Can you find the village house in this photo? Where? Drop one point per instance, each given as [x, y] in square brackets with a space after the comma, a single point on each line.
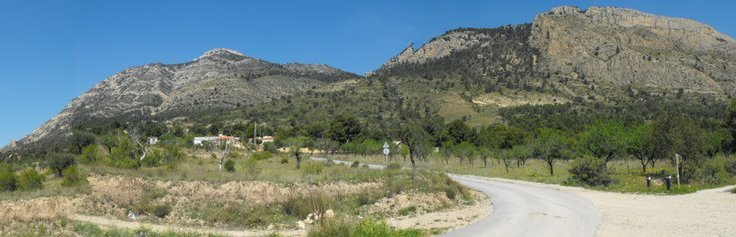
[199, 141]
[263, 139]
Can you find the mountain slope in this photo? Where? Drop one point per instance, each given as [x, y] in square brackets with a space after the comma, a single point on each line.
[599, 55]
[623, 46]
[574, 51]
[220, 79]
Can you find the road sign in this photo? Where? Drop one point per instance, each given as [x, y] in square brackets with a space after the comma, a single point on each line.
[385, 148]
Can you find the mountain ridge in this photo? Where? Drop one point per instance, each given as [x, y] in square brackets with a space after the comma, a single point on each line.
[564, 54]
[219, 78]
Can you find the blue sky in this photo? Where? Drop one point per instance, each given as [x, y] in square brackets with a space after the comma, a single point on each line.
[52, 51]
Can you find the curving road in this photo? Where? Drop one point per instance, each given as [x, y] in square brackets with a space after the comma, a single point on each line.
[527, 210]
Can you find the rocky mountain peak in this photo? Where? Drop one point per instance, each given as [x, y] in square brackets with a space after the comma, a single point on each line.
[629, 47]
[222, 53]
[632, 18]
[439, 47]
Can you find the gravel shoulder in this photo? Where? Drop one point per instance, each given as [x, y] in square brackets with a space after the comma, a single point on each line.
[454, 218]
[703, 213]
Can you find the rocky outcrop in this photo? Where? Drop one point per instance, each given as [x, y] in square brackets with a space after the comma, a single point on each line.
[218, 79]
[628, 47]
[437, 48]
[571, 48]
[321, 71]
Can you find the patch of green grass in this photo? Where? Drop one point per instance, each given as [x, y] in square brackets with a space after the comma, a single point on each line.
[627, 174]
[407, 211]
[89, 229]
[51, 187]
[365, 228]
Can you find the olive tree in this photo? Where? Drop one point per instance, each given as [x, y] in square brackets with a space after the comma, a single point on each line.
[418, 142]
[551, 145]
[604, 140]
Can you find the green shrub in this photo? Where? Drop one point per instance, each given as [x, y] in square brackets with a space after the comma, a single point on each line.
[147, 203]
[120, 157]
[60, 161]
[261, 155]
[90, 154]
[711, 171]
[589, 171]
[450, 193]
[73, 176]
[407, 210]
[365, 228]
[29, 179]
[393, 166]
[299, 206]
[366, 198]
[8, 178]
[333, 227]
[270, 147]
[284, 160]
[313, 168]
[162, 211]
[153, 159]
[230, 165]
[355, 164]
[252, 168]
[167, 155]
[730, 166]
[234, 155]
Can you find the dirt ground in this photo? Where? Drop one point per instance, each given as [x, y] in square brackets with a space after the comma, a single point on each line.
[705, 213]
[106, 205]
[453, 218]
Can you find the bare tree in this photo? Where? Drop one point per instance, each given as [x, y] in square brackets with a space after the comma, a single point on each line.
[221, 147]
[327, 146]
[137, 138]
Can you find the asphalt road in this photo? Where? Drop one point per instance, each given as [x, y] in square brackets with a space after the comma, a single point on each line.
[524, 210]
[527, 210]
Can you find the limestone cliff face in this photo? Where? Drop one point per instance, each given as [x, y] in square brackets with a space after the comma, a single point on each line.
[437, 48]
[219, 79]
[623, 46]
[604, 46]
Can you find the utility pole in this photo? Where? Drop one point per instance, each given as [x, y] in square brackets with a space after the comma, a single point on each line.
[255, 126]
[677, 164]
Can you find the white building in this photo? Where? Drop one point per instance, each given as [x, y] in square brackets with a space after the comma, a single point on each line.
[230, 140]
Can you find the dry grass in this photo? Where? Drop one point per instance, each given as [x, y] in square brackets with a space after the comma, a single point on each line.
[46, 216]
[409, 203]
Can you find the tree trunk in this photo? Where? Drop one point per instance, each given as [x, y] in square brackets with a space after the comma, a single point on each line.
[643, 162]
[298, 162]
[653, 161]
[550, 164]
[413, 167]
[485, 163]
